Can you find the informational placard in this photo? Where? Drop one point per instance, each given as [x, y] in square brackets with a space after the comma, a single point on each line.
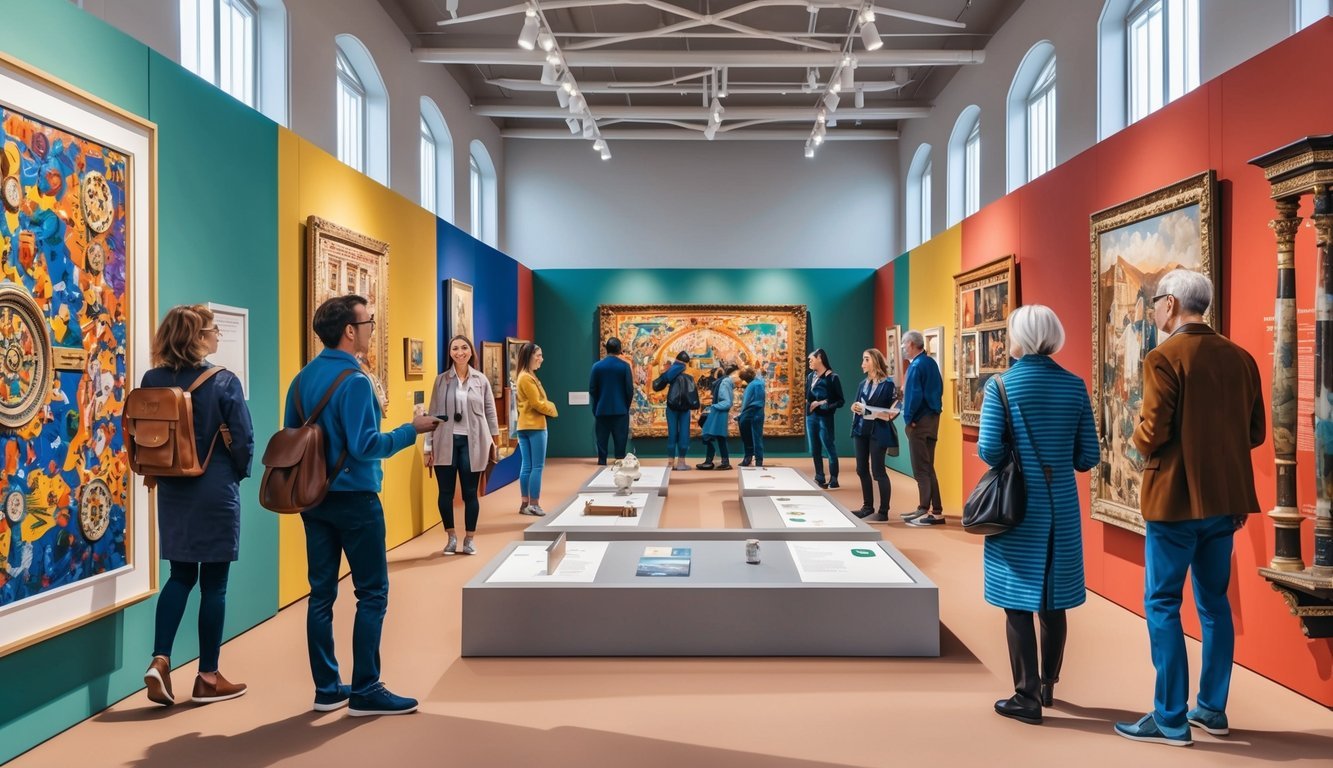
[572, 515]
[233, 343]
[845, 562]
[810, 512]
[578, 398]
[776, 479]
[527, 563]
[649, 477]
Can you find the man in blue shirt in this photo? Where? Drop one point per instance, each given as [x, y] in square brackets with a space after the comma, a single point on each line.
[923, 390]
[350, 520]
[611, 389]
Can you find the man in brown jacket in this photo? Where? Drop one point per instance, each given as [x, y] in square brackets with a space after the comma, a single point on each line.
[1202, 414]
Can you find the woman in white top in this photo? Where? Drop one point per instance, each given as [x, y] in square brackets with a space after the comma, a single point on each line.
[465, 440]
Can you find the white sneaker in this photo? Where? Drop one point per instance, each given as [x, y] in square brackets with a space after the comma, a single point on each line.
[468, 547]
[452, 546]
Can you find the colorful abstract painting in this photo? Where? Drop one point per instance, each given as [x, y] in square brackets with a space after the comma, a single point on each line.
[1133, 246]
[769, 338]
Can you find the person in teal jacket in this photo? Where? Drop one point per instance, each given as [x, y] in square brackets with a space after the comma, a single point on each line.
[717, 418]
[751, 417]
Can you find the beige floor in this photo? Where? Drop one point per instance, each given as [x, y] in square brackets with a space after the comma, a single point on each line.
[696, 712]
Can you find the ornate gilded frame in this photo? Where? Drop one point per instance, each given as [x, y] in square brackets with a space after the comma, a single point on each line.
[329, 245]
[1199, 190]
[1001, 272]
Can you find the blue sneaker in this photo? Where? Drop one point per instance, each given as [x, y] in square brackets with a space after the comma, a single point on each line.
[1147, 729]
[379, 701]
[328, 702]
[1212, 722]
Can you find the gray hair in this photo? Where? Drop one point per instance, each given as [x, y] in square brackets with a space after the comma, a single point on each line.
[1035, 330]
[915, 339]
[1193, 290]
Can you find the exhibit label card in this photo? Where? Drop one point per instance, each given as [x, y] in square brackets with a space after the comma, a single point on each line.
[810, 512]
[572, 515]
[527, 563]
[773, 479]
[845, 562]
[664, 561]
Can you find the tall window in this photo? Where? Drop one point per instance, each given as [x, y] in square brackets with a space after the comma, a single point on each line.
[1041, 123]
[485, 195]
[963, 181]
[220, 43]
[1162, 38]
[925, 201]
[916, 222]
[430, 177]
[972, 171]
[474, 185]
[351, 115]
[1308, 12]
[437, 162]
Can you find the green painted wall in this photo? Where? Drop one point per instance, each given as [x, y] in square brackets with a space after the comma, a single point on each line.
[902, 310]
[217, 241]
[565, 305]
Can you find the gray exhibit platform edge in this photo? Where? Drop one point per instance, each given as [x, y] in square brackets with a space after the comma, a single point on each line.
[724, 607]
[658, 483]
[774, 481]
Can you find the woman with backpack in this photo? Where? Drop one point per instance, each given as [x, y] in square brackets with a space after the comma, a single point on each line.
[199, 518]
[716, 419]
[533, 410]
[682, 399]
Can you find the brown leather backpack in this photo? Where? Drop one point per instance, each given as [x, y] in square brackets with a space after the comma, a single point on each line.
[296, 476]
[159, 422]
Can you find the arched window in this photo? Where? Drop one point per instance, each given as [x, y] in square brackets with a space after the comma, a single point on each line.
[965, 165]
[363, 111]
[918, 227]
[1147, 56]
[241, 47]
[485, 195]
[1030, 119]
[437, 162]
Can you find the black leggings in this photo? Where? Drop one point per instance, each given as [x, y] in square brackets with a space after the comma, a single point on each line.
[870, 462]
[448, 477]
[212, 580]
[1023, 650]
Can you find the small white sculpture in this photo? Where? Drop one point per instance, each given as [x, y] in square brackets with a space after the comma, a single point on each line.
[624, 472]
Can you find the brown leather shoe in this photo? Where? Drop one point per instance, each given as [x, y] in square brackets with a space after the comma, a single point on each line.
[158, 681]
[205, 693]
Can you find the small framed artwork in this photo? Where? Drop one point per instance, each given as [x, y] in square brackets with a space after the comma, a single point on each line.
[459, 321]
[971, 362]
[492, 364]
[512, 346]
[983, 299]
[893, 352]
[414, 357]
[933, 337]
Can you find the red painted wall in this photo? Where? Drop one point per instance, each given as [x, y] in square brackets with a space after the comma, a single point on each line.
[1260, 105]
[883, 302]
[525, 322]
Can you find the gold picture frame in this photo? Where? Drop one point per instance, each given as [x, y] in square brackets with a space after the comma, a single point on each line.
[983, 299]
[340, 261]
[1133, 245]
[414, 357]
[460, 320]
[492, 364]
[893, 353]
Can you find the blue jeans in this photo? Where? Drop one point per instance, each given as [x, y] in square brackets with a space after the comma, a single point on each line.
[752, 437]
[532, 459]
[212, 579]
[819, 434]
[351, 523]
[678, 433]
[1204, 548]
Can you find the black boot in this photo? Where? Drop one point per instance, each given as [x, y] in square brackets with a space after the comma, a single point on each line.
[1014, 708]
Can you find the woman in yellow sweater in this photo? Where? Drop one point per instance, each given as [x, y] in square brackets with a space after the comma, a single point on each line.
[533, 410]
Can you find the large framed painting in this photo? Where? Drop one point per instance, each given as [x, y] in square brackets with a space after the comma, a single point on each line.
[459, 320]
[770, 338]
[983, 299]
[340, 261]
[77, 252]
[893, 353]
[492, 364]
[1133, 245]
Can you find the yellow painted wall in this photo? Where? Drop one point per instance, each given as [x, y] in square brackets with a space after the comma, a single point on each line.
[311, 182]
[934, 264]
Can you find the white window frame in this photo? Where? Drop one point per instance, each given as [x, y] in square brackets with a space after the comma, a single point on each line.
[1148, 55]
[916, 219]
[972, 171]
[1306, 12]
[1041, 123]
[485, 199]
[374, 117]
[351, 114]
[1033, 90]
[250, 66]
[429, 168]
[964, 173]
[442, 166]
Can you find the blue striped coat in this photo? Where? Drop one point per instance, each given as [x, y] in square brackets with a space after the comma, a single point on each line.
[1027, 568]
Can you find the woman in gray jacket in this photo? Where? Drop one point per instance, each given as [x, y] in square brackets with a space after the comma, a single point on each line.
[465, 440]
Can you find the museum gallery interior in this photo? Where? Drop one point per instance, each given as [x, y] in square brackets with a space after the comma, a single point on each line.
[743, 182]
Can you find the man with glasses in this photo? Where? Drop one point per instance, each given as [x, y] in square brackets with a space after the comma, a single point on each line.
[1202, 414]
[350, 520]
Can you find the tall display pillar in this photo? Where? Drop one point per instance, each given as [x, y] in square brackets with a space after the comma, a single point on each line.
[1300, 168]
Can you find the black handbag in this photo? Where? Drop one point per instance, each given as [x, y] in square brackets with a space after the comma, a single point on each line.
[999, 501]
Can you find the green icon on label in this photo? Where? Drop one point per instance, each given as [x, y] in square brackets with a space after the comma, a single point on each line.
[863, 553]
[797, 519]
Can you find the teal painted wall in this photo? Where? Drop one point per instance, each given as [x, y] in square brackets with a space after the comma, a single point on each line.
[565, 304]
[217, 241]
[902, 310]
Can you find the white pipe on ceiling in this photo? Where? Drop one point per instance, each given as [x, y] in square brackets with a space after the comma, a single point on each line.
[792, 114]
[669, 134]
[700, 59]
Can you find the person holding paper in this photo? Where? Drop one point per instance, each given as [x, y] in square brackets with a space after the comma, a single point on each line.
[873, 413]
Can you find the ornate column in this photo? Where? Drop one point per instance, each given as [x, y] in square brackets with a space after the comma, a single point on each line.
[1323, 384]
[1286, 515]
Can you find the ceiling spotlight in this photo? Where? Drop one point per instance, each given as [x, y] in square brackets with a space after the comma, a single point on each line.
[553, 58]
[527, 39]
[710, 131]
[810, 82]
[590, 129]
[722, 92]
[901, 75]
[848, 80]
[563, 98]
[567, 86]
[573, 125]
[717, 110]
[821, 116]
[818, 138]
[809, 148]
[546, 40]
[548, 74]
[599, 145]
[836, 84]
[870, 36]
[831, 100]
[577, 103]
[860, 99]
[606, 153]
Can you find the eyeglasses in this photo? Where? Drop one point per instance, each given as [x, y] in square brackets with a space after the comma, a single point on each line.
[215, 330]
[1161, 296]
[371, 321]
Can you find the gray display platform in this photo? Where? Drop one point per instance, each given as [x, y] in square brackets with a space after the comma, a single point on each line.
[599, 529]
[654, 479]
[724, 607]
[774, 481]
[775, 514]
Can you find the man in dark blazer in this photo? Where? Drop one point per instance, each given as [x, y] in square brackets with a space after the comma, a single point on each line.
[1202, 413]
[611, 390]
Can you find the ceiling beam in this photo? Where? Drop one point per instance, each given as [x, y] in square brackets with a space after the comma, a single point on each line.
[738, 59]
[682, 134]
[586, 86]
[787, 114]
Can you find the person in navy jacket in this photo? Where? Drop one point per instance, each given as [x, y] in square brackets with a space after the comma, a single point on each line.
[823, 396]
[611, 389]
[350, 520]
[873, 433]
[199, 518]
[923, 391]
[751, 418]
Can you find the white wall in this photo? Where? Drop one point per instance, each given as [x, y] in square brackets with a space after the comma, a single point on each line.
[1231, 32]
[700, 204]
[313, 25]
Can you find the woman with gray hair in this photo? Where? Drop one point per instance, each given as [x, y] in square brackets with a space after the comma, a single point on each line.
[1037, 566]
